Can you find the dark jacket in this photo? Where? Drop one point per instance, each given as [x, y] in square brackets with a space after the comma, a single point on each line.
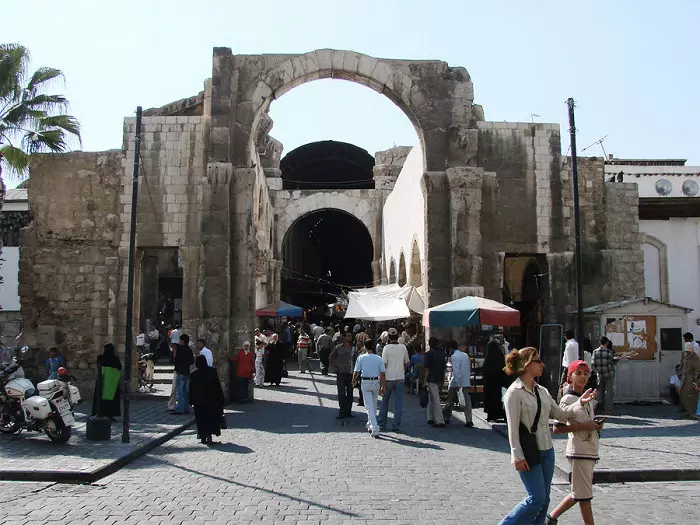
[184, 359]
[436, 362]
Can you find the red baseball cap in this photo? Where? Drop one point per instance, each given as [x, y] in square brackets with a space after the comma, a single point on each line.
[579, 363]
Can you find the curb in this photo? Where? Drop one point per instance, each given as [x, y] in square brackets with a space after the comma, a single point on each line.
[78, 476]
[614, 476]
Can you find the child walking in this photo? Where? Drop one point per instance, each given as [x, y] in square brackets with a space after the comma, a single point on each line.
[582, 447]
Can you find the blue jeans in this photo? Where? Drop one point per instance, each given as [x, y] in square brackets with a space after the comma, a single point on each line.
[182, 393]
[397, 388]
[538, 484]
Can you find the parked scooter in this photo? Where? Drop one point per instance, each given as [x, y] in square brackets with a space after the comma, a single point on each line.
[51, 411]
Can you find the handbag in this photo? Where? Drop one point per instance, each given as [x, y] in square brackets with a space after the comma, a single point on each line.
[222, 421]
[424, 397]
[285, 372]
[528, 441]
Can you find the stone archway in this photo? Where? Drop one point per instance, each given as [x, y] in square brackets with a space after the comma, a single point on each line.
[402, 270]
[436, 98]
[392, 271]
[360, 208]
[416, 271]
[312, 273]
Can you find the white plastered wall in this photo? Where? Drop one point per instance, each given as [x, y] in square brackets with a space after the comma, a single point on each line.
[404, 216]
[682, 239]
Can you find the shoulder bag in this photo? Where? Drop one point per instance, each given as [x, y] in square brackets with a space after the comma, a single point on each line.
[528, 441]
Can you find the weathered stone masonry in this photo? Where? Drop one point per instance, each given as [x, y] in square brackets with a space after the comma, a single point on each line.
[211, 189]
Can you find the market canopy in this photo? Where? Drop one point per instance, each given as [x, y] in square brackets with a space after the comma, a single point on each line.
[384, 303]
[471, 311]
[280, 309]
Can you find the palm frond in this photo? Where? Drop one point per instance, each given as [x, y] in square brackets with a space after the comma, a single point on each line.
[67, 123]
[19, 114]
[14, 60]
[47, 103]
[41, 76]
[16, 160]
[46, 141]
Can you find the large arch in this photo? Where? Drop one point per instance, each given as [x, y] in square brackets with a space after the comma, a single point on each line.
[402, 270]
[312, 272]
[433, 96]
[360, 208]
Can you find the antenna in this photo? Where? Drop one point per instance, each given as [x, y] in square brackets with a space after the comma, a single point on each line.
[599, 141]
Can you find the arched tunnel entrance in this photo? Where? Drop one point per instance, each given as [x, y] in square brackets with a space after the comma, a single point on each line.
[323, 252]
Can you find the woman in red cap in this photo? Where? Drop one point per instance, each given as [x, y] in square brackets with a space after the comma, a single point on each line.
[582, 447]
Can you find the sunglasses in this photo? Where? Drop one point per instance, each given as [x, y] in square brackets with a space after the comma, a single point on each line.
[537, 361]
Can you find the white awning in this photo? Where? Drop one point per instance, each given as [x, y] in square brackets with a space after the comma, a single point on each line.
[384, 303]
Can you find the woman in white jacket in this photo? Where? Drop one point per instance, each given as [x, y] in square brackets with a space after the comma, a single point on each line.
[531, 405]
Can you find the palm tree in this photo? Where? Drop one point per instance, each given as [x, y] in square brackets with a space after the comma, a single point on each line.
[30, 120]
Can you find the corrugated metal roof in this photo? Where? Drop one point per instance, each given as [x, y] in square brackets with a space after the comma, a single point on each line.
[15, 195]
[600, 308]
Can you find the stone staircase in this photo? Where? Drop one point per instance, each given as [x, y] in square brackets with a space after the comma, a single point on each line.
[163, 374]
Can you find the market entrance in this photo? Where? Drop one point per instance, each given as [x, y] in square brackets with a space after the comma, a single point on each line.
[526, 280]
[323, 253]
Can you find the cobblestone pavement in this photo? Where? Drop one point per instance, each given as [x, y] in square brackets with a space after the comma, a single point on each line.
[286, 459]
[34, 451]
[640, 437]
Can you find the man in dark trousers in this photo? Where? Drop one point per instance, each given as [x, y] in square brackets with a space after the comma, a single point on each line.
[184, 359]
[341, 360]
[435, 366]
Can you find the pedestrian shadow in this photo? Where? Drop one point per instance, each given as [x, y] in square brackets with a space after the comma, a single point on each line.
[272, 492]
[408, 442]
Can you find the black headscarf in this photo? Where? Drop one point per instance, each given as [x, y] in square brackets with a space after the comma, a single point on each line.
[109, 357]
[201, 362]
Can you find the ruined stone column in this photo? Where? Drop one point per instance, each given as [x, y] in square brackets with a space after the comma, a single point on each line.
[214, 279]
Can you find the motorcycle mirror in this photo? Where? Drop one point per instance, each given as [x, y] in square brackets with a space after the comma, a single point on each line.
[24, 349]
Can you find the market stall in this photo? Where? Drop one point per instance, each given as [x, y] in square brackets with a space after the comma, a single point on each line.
[384, 303]
[482, 320]
[647, 337]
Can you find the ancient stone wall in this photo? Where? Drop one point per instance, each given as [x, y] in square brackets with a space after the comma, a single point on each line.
[174, 157]
[69, 260]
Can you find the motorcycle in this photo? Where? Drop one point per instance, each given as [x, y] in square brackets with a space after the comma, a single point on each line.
[51, 411]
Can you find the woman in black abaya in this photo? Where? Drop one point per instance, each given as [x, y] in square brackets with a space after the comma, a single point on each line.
[494, 379]
[275, 361]
[107, 399]
[207, 397]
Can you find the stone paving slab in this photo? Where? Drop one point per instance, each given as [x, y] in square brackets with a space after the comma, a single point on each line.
[639, 443]
[32, 456]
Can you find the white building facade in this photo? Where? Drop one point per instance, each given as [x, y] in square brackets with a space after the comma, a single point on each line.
[669, 220]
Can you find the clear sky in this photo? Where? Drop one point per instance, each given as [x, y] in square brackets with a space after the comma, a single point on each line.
[632, 66]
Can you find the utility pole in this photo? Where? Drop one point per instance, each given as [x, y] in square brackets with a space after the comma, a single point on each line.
[128, 339]
[577, 229]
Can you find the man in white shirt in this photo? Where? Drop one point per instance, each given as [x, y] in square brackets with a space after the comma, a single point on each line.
[175, 338]
[395, 357]
[570, 355]
[690, 337]
[370, 368]
[461, 380]
[203, 350]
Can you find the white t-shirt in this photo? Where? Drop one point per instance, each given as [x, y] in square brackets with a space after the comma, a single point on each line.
[175, 337]
[696, 347]
[141, 339]
[570, 353]
[395, 357]
[208, 356]
[461, 370]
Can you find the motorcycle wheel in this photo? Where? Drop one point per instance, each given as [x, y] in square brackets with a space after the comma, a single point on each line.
[57, 430]
[8, 421]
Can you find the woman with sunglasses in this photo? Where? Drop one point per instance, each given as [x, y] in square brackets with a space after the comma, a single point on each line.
[530, 405]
